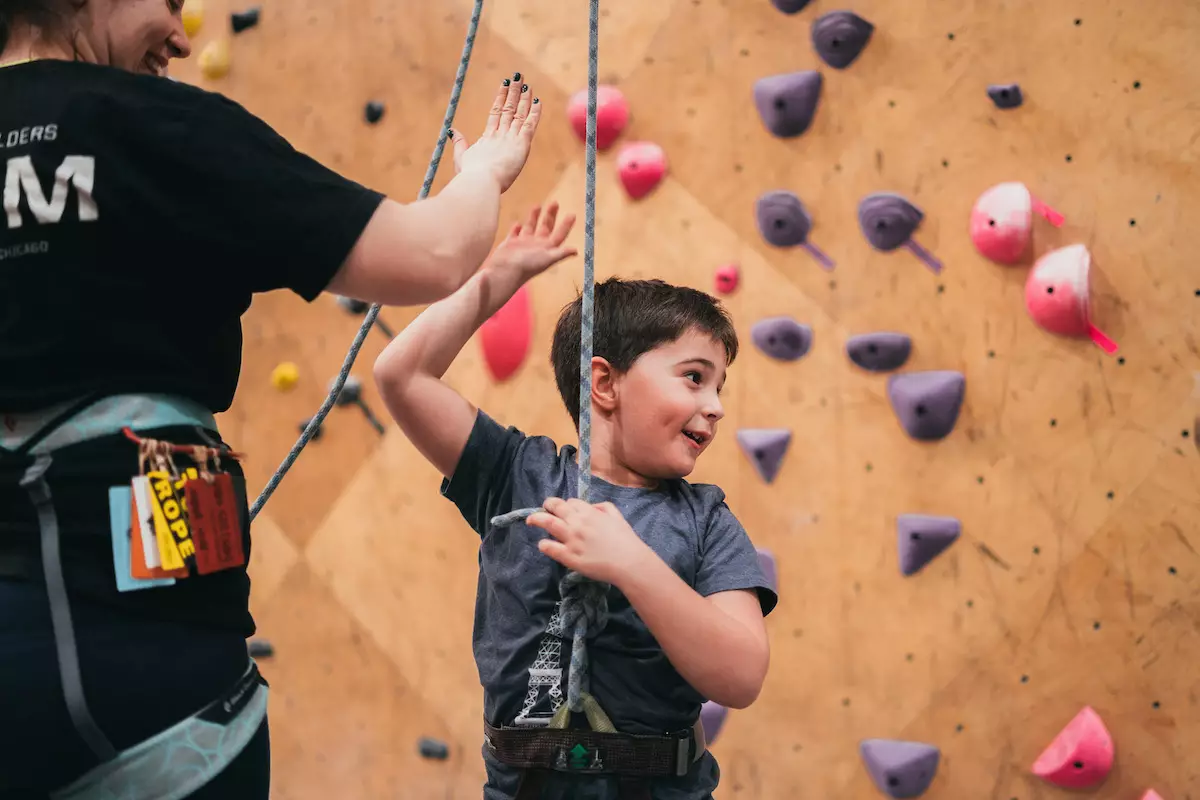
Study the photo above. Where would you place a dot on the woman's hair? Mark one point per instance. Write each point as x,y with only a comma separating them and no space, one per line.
48,16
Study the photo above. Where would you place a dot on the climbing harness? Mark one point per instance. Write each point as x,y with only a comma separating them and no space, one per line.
182,758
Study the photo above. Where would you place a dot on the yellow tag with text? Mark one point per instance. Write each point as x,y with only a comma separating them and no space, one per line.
171,527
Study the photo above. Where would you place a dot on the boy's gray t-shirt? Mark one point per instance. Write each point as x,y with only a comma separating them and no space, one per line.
521,653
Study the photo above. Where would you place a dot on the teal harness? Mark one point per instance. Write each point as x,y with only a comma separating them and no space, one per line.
181,759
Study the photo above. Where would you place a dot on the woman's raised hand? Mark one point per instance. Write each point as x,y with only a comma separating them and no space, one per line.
507,137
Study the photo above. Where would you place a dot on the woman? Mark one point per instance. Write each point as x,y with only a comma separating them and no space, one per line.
140,215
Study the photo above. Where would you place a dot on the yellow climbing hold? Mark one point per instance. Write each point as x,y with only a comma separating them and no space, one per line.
214,58
193,17
285,376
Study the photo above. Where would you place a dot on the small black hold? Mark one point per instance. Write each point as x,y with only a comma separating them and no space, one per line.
1171,570
970,604
1110,495
945,162
1024,679
1007,95
316,434
1121,361
979,479
1037,550
941,289
1132,222
1078,21
1095,626
1156,704
1053,423
244,20
1068,156
959,727
1137,84
891,103
950,36
433,748
374,111
991,353
1186,433
260,648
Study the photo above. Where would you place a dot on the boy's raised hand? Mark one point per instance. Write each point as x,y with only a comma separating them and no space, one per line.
592,539
533,246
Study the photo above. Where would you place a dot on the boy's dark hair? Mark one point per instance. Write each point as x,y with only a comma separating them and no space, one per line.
633,317
49,16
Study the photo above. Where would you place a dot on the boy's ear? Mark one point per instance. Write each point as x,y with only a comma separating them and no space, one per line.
604,384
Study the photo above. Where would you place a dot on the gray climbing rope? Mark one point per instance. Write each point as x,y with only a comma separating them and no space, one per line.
335,389
584,601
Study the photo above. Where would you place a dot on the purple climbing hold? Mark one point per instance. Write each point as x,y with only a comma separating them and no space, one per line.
927,403
900,769
790,6
782,338
766,562
889,221
1006,95
765,447
920,538
879,352
787,102
712,719
783,221
839,37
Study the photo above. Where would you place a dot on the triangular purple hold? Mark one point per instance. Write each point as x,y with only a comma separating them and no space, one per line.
766,562
839,37
765,447
787,103
881,351
920,538
712,719
900,769
927,403
1006,95
782,338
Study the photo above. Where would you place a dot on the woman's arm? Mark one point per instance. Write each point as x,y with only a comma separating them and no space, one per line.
412,254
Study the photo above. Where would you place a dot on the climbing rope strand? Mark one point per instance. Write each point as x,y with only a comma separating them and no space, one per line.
315,423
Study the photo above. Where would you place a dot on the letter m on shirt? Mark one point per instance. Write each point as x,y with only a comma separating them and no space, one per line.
77,171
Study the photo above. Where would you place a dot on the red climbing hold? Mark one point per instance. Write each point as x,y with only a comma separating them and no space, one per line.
1057,295
612,114
642,166
1001,225
727,279
1080,756
506,334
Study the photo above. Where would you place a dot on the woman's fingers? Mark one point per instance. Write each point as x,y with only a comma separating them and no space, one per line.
511,100
529,127
524,101
493,120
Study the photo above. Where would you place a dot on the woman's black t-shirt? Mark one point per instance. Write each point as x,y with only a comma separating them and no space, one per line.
139,216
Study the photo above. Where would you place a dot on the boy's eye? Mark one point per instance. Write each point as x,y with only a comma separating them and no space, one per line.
697,376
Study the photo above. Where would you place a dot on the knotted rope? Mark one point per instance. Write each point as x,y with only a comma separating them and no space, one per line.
584,601
335,388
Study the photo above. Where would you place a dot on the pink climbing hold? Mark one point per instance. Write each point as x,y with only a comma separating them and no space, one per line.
506,335
1151,795
727,279
712,719
642,166
1058,293
1080,756
1001,225
612,114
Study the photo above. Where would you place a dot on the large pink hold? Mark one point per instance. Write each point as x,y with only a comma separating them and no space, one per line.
1080,756
1002,221
612,114
1058,295
642,166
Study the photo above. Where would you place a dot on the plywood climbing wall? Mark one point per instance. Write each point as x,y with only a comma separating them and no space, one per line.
1073,473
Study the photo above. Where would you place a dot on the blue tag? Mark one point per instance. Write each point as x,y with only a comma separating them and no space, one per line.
119,500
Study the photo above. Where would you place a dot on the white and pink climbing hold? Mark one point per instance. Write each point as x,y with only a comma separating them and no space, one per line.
765,447
727,279
1058,295
900,769
612,115
1080,756
506,335
641,166
1001,226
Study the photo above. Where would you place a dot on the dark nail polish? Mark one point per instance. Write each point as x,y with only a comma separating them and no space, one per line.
507,81
524,88
516,76
535,100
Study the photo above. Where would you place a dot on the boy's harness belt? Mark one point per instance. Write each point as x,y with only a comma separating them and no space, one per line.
588,752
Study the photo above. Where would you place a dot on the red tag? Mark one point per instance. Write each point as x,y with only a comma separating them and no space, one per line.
216,529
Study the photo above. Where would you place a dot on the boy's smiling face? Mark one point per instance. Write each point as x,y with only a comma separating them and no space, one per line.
668,406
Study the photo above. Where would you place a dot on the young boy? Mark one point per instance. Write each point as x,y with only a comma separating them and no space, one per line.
687,597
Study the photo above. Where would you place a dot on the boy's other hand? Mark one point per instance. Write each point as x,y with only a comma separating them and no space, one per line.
594,540
533,246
